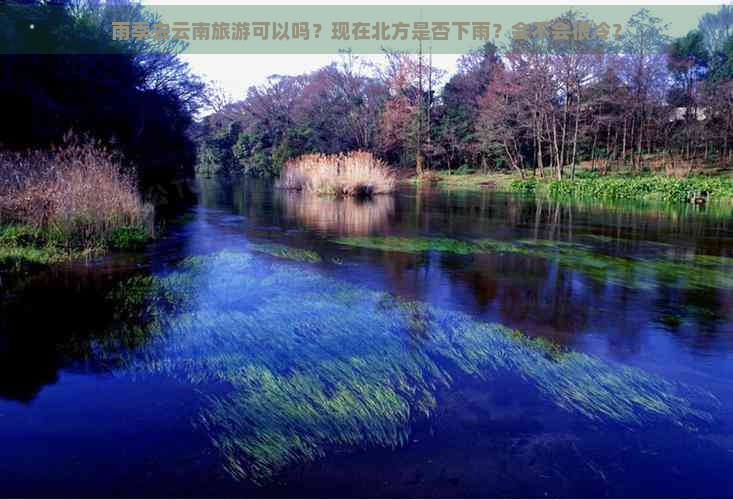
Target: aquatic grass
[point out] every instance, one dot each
(419, 245)
(286, 252)
(685, 272)
(657, 187)
(128, 238)
(16, 258)
(309, 365)
(23, 247)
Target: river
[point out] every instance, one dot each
(427, 343)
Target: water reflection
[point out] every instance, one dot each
(671, 294)
(349, 216)
(51, 321)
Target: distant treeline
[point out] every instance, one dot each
(537, 105)
(139, 103)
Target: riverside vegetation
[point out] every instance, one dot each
(648, 102)
(73, 200)
(357, 173)
(65, 194)
(691, 189)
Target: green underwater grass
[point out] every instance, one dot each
(286, 252)
(691, 272)
(308, 365)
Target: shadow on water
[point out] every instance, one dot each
(422, 344)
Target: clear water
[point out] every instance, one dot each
(422, 344)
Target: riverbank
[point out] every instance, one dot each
(464, 181)
(697, 189)
(67, 203)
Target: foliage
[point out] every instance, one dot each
(128, 238)
(648, 100)
(128, 95)
(523, 186)
(23, 247)
(331, 110)
(663, 188)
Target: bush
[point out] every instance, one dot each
(352, 174)
(659, 187)
(75, 197)
(523, 186)
(128, 238)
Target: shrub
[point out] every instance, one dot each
(128, 238)
(670, 189)
(523, 186)
(76, 197)
(352, 174)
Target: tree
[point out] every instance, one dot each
(116, 91)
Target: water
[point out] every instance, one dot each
(422, 344)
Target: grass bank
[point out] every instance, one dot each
(67, 202)
(692, 189)
(698, 188)
(465, 179)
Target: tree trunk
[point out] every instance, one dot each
(575, 135)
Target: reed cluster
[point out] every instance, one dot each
(76, 196)
(357, 173)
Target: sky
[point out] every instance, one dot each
(235, 73)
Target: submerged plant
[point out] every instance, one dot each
(696, 271)
(308, 364)
(286, 252)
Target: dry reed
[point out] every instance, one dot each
(357, 173)
(77, 194)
